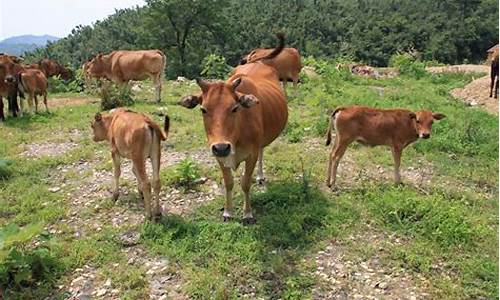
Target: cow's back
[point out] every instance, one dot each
(263, 82)
(287, 63)
(136, 65)
(34, 80)
(129, 133)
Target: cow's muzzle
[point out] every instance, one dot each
(221, 149)
(10, 79)
(425, 135)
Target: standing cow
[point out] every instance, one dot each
(242, 115)
(494, 74)
(396, 128)
(33, 83)
(123, 66)
(51, 68)
(287, 63)
(8, 85)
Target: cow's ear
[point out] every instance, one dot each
(412, 115)
(190, 101)
(248, 100)
(235, 84)
(98, 117)
(438, 116)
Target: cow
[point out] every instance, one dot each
(287, 63)
(123, 65)
(241, 116)
(396, 128)
(135, 136)
(34, 83)
(8, 84)
(494, 74)
(52, 68)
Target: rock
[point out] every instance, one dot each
(129, 238)
(54, 189)
(381, 285)
(101, 292)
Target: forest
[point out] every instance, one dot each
(368, 31)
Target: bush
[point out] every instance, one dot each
(22, 265)
(408, 64)
(215, 66)
(58, 85)
(113, 96)
(5, 168)
(186, 173)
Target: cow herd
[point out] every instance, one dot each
(241, 116)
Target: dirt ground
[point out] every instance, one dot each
(477, 93)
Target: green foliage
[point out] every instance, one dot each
(407, 64)
(113, 95)
(215, 66)
(22, 265)
(5, 168)
(186, 173)
(57, 85)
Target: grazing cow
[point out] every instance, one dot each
(8, 84)
(52, 68)
(242, 115)
(396, 128)
(123, 66)
(494, 74)
(137, 137)
(34, 83)
(287, 63)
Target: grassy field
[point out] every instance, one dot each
(435, 237)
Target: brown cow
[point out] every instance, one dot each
(287, 63)
(123, 66)
(8, 84)
(137, 137)
(34, 83)
(242, 115)
(396, 128)
(494, 74)
(52, 68)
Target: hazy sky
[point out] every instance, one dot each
(54, 17)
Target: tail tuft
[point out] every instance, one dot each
(166, 126)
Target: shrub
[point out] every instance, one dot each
(5, 168)
(186, 173)
(408, 65)
(113, 96)
(215, 66)
(22, 265)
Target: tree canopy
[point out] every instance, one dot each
(370, 31)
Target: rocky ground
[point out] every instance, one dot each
(477, 93)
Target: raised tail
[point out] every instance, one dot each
(166, 126)
(276, 51)
(162, 134)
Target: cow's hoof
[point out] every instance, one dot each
(249, 221)
(115, 196)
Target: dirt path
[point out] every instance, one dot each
(73, 101)
(459, 69)
(477, 93)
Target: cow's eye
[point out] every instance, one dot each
(203, 110)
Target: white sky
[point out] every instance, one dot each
(54, 17)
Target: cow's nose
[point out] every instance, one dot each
(9, 79)
(426, 135)
(221, 149)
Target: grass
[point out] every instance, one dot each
(451, 221)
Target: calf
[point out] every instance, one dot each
(137, 137)
(34, 83)
(396, 128)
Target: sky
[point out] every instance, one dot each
(54, 17)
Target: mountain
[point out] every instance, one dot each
(17, 45)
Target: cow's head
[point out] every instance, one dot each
(221, 106)
(100, 127)
(423, 122)
(97, 66)
(8, 69)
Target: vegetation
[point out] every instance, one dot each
(445, 215)
(114, 95)
(369, 31)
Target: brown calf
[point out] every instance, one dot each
(241, 116)
(34, 83)
(396, 128)
(137, 137)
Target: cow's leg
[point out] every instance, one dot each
(30, 103)
(228, 185)
(140, 167)
(337, 153)
(157, 82)
(36, 103)
(21, 106)
(295, 85)
(155, 163)
(246, 183)
(45, 101)
(117, 172)
(284, 82)
(139, 187)
(396, 154)
(260, 173)
(2, 116)
(496, 88)
(330, 163)
(492, 83)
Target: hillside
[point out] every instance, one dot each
(18, 45)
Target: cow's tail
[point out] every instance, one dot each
(166, 126)
(162, 134)
(331, 125)
(277, 50)
(21, 88)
